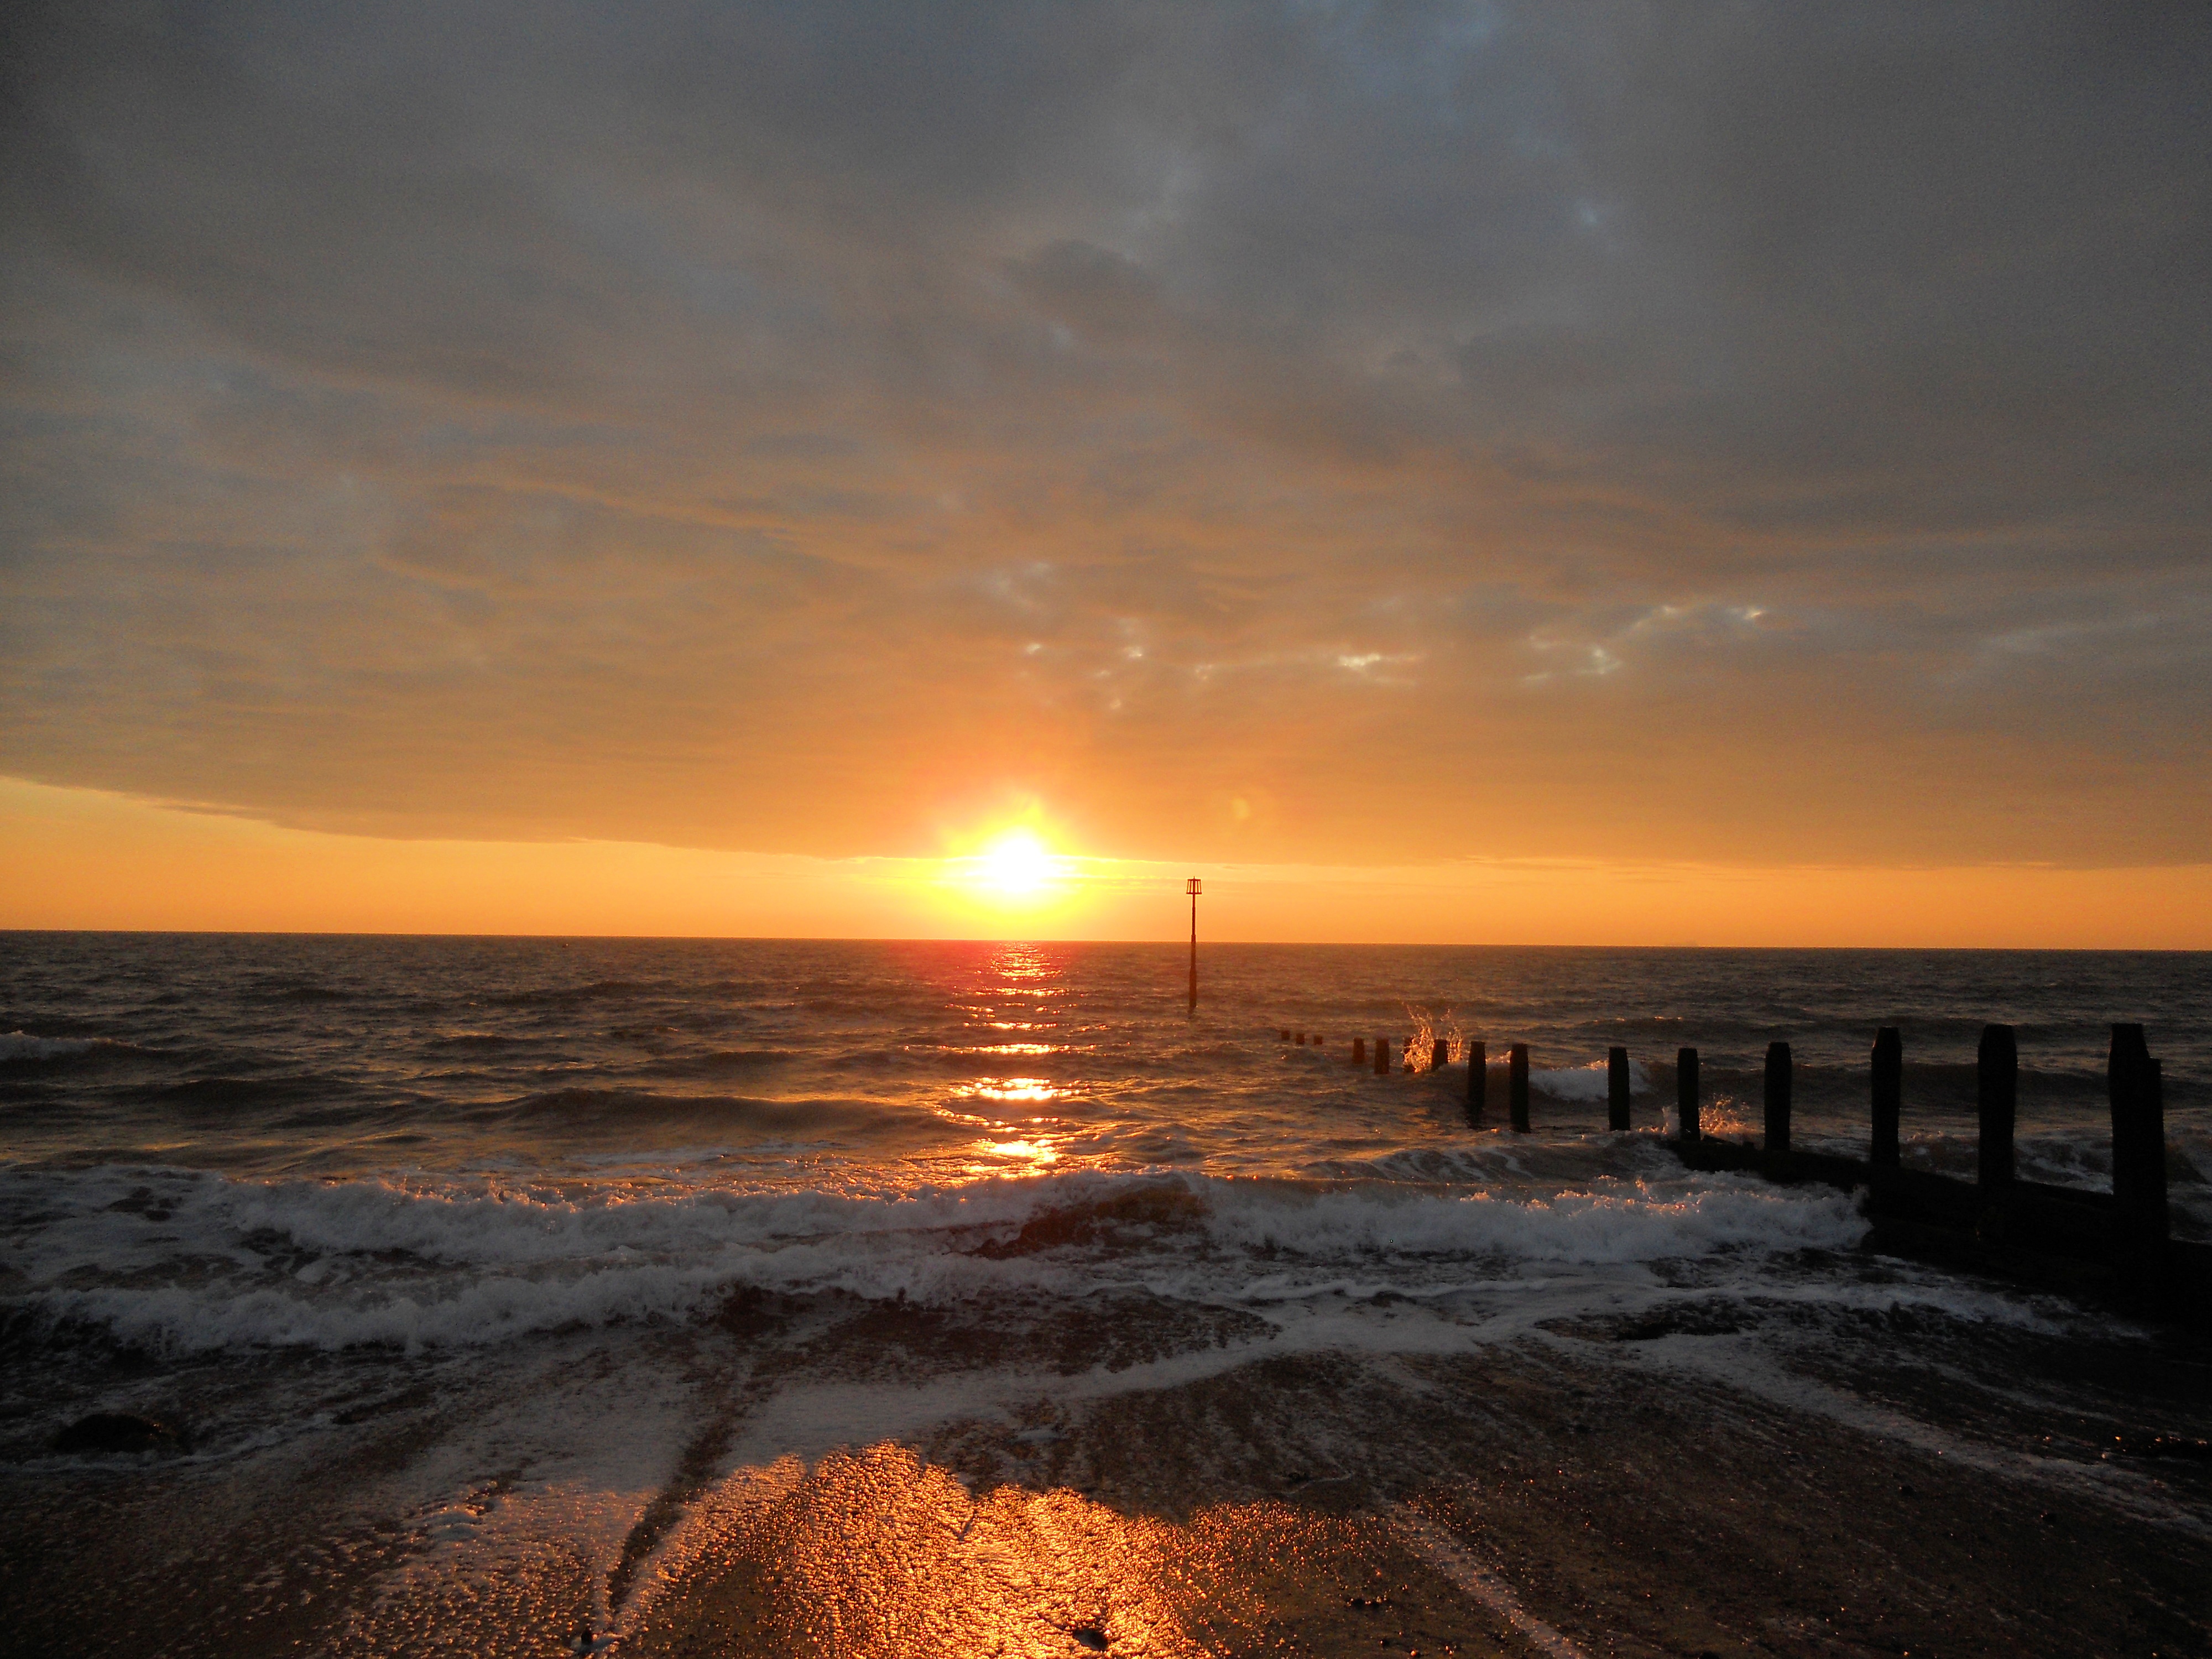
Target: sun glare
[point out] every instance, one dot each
(1015, 866)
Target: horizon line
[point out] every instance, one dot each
(1177, 942)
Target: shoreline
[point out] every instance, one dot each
(1818, 1463)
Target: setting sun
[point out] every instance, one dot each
(1015, 865)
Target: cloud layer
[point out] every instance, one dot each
(1308, 432)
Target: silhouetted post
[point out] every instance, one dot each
(1381, 1056)
(1439, 1053)
(1616, 1088)
(1777, 1101)
(2138, 1134)
(1477, 1080)
(1359, 1051)
(1516, 1086)
(1686, 1092)
(1300, 1039)
(1283, 1036)
(1997, 1103)
(1888, 1094)
(1192, 887)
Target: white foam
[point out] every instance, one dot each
(1625, 1221)
(209, 1262)
(19, 1045)
(1586, 1083)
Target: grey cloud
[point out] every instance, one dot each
(676, 421)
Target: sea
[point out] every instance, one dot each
(412, 1296)
(253, 1142)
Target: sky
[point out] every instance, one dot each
(1607, 473)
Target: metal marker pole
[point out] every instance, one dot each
(1192, 887)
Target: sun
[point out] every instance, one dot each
(1014, 866)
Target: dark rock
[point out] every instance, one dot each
(119, 1431)
(1090, 1635)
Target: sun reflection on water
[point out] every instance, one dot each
(1037, 1152)
(1010, 1088)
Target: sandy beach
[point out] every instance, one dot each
(1704, 1472)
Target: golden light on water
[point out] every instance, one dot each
(1036, 1152)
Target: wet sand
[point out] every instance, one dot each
(1819, 1468)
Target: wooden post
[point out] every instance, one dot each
(1300, 1039)
(1778, 1102)
(1616, 1088)
(1283, 1036)
(1359, 1051)
(1997, 1101)
(2138, 1135)
(1381, 1056)
(1686, 1092)
(1888, 1094)
(1439, 1055)
(1477, 1080)
(1516, 1086)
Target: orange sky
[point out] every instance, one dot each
(1730, 474)
(76, 859)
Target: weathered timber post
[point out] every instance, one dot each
(1477, 1080)
(1359, 1051)
(1381, 1056)
(1888, 1094)
(2138, 1136)
(1283, 1036)
(1686, 1092)
(1997, 1103)
(1777, 1103)
(1300, 1039)
(1616, 1088)
(1516, 1086)
(1439, 1055)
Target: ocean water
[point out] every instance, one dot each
(245, 1143)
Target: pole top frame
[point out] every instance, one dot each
(1194, 887)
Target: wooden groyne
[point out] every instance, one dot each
(2115, 1246)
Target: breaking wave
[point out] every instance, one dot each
(190, 1262)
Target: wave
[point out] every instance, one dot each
(230, 1093)
(813, 1119)
(337, 1265)
(22, 1046)
(722, 1061)
(1591, 1083)
(566, 996)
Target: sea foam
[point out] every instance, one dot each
(21, 1045)
(201, 1261)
